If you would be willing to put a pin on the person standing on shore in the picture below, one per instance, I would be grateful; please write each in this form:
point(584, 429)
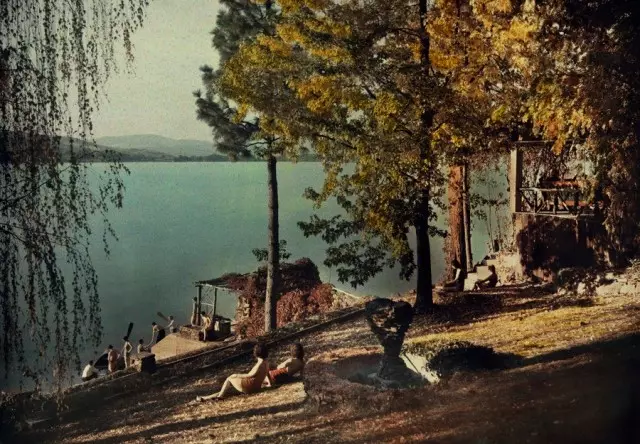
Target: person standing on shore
point(127, 348)
point(157, 334)
point(112, 359)
point(171, 326)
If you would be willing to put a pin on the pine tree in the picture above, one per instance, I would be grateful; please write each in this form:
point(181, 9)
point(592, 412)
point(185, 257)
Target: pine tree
point(238, 133)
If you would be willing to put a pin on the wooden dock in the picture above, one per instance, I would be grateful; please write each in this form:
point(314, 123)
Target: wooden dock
point(175, 344)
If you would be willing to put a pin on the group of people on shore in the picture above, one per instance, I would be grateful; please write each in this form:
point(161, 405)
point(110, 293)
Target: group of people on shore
point(261, 374)
point(457, 283)
point(158, 333)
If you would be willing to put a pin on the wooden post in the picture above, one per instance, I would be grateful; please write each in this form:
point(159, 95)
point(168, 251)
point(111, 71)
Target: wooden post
point(199, 306)
point(215, 300)
point(515, 180)
point(466, 211)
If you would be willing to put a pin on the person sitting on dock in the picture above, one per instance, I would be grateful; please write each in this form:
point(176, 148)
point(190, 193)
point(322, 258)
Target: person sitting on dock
point(245, 383)
point(89, 372)
point(157, 333)
point(489, 282)
point(457, 284)
point(208, 326)
point(142, 348)
point(288, 369)
point(127, 348)
point(112, 358)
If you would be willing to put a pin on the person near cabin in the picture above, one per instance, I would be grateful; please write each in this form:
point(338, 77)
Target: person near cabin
point(457, 284)
point(245, 382)
point(89, 372)
point(157, 333)
point(289, 368)
point(112, 359)
point(127, 348)
point(489, 282)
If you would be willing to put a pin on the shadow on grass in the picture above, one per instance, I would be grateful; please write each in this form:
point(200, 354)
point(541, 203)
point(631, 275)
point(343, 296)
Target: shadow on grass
point(180, 426)
point(464, 307)
point(583, 394)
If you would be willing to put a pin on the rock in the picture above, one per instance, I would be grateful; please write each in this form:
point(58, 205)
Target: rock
point(582, 288)
point(627, 289)
point(389, 321)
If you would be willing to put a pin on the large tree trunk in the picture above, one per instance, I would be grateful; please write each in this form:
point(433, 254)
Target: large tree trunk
point(424, 291)
point(273, 259)
point(466, 208)
point(456, 243)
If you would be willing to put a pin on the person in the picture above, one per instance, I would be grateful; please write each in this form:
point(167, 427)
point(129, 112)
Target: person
point(289, 368)
point(141, 347)
point(194, 312)
point(112, 359)
point(89, 372)
point(207, 326)
point(157, 333)
point(248, 382)
point(127, 348)
point(171, 326)
point(457, 284)
point(489, 282)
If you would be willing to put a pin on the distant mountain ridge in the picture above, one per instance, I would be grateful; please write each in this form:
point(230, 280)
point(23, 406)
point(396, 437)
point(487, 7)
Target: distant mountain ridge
point(161, 144)
point(155, 148)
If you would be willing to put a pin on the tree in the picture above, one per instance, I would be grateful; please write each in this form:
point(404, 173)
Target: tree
point(356, 99)
point(238, 133)
point(376, 95)
point(55, 57)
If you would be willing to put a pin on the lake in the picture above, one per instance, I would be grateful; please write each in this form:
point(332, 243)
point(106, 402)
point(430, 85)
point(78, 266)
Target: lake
point(184, 222)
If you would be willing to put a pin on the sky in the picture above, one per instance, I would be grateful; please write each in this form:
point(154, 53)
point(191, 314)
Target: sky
point(157, 97)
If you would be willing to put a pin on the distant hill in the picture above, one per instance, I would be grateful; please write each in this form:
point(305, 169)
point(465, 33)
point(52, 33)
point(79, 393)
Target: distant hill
point(160, 144)
point(154, 148)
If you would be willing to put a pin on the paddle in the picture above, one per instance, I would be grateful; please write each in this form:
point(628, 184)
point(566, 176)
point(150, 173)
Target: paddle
point(166, 319)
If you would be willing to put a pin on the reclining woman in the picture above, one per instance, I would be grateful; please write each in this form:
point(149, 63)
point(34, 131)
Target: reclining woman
point(245, 383)
point(286, 370)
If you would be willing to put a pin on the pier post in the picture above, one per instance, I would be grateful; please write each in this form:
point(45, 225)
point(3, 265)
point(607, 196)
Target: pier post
point(199, 306)
point(215, 300)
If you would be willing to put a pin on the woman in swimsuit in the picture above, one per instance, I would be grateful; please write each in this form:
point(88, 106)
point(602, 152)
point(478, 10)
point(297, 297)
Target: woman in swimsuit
point(245, 383)
point(289, 368)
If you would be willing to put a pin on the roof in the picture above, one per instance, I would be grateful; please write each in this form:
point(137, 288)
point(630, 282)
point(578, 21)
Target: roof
point(300, 275)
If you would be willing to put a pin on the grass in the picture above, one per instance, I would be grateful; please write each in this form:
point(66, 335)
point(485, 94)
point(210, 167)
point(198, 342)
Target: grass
point(576, 383)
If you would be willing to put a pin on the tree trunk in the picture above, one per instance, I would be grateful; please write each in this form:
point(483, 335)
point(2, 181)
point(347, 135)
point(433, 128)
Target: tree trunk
point(424, 291)
point(467, 217)
point(273, 259)
point(456, 245)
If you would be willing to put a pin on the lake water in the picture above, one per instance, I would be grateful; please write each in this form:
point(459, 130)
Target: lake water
point(187, 222)
point(184, 222)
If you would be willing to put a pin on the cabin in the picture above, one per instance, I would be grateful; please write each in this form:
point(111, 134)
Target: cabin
point(555, 224)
